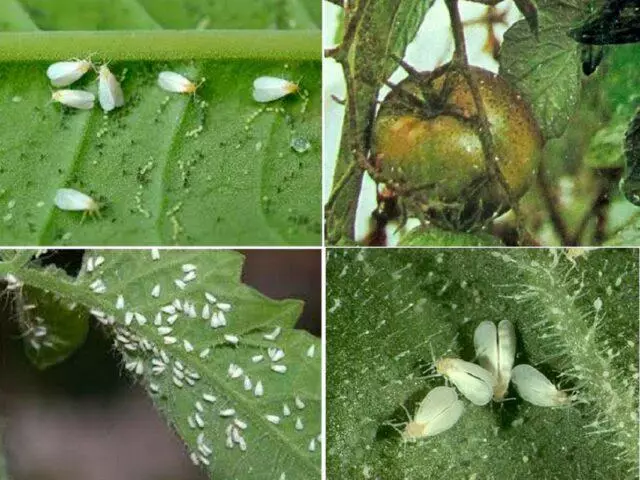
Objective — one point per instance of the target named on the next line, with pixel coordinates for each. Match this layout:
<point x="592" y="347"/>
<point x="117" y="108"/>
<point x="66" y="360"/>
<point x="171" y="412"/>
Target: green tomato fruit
<point x="426" y="138"/>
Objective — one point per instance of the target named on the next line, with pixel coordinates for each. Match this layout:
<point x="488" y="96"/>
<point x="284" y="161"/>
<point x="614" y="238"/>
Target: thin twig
<point x="340" y="184"/>
<point x="552" y="202"/>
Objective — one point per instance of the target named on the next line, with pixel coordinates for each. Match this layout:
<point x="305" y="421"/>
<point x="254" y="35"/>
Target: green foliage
<point x="630" y="185"/>
<point x="184" y="362"/>
<point x="546" y="69"/>
<point x="52" y="329"/>
<point x="436" y="237"/>
<point x="391" y="313"/>
<point x="213" y="168"/>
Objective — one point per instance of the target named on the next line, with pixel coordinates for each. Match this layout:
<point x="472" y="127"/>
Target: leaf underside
<point x="183" y="369"/>
<point x="390" y="314"/>
<point x="210" y="169"/>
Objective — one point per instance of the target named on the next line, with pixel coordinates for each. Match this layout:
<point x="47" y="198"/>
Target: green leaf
<point x="385" y="31"/>
<point x="392" y="313"/>
<point x="618" y="89"/>
<point x="605" y="148"/>
<point x="630" y="184"/>
<point x="52" y="330"/>
<point x="216" y="168"/>
<point x="185" y="372"/>
<point x="436" y="237"/>
<point x="545" y="71"/>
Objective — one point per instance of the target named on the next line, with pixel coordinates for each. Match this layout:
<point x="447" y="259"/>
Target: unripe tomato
<point x="418" y="144"/>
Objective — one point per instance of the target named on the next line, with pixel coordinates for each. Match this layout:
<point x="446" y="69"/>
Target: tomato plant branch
<point x="163" y="45"/>
<point x="483" y="127"/>
<point x="357" y="161"/>
<point x="551" y="202"/>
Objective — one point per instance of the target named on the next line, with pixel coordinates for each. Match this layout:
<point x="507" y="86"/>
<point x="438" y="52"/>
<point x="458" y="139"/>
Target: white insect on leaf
<point x="439" y="411"/>
<point x="496" y="352"/>
<point x="74" y="98"/>
<point x="62" y="74"/>
<point x="268" y="89"/>
<point x="473" y="381"/>
<point x="537" y="389"/>
<point x="109" y="90"/>
<point x="176" y="83"/>
<point x="75" y="201"/>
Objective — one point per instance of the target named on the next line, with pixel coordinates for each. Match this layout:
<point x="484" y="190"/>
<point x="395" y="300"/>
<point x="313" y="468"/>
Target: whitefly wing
<point x="268" y="89"/>
<point x="535" y="388"/>
<point x="439" y="411"/>
<point x="109" y="90"/>
<point x="473" y="381"/>
<point x="485" y="341"/>
<point x="62" y="74"/>
<point x="174" y="82"/>
<point x="73" y="200"/>
<point x="506" y="353"/>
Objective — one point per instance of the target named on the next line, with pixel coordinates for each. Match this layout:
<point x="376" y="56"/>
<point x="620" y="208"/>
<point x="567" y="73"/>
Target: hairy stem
<point x="160" y="45"/>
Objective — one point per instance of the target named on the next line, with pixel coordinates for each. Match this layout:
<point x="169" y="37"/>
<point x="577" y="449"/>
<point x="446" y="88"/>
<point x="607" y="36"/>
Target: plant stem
<point x="552" y="203"/>
<point x="483" y="127"/>
<point x="340" y="211"/>
<point x="161" y="45"/>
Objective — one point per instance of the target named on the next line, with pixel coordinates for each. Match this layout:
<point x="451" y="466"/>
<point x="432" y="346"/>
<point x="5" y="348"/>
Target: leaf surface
<point x="212" y="169"/>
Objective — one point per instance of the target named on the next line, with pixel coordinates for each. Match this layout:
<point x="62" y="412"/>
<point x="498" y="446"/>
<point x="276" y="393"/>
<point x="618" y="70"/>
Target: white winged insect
<point x="268" y="89"/>
<point x="439" y="411"/>
<point x="176" y="83"/>
<point x="473" y="381"/>
<point x="537" y="389"/>
<point x="109" y="90"/>
<point x="75" y="201"/>
<point x="62" y="74"/>
<point x="74" y="98"/>
<point x="496" y="352"/>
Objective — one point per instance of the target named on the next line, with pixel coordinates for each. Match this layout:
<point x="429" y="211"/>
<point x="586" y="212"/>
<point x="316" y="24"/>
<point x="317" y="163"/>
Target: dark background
<point x="84" y="420"/>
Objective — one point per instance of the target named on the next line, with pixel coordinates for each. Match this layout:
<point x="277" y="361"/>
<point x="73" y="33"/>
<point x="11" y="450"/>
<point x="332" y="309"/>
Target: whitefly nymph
<point x="537" y="389"/>
<point x="473" y="381"/>
<point x="496" y="352"/>
<point x="439" y="411"/>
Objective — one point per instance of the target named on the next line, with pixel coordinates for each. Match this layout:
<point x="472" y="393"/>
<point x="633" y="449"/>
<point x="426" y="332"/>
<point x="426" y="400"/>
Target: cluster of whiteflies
<point x="111" y="96"/>
<point x="482" y="382"/>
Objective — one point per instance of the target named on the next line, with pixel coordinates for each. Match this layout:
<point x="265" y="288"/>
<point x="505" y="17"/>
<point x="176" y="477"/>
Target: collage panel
<point x="154" y="364"/>
<point x="143" y="123"/>
<point x="453" y="123"/>
<point x="482" y="363"/>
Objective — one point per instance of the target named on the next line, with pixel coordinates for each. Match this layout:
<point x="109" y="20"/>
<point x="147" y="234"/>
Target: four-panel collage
<point x="319" y="239"/>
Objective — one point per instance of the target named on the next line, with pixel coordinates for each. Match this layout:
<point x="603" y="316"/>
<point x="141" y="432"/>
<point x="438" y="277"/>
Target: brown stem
<point x="460" y="62"/>
<point x="337" y="188"/>
<point x="354" y="144"/>
<point x="552" y="203"/>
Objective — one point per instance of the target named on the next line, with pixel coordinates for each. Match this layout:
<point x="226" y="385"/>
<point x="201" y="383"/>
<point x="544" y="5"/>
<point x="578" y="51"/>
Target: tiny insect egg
<point x="267" y="89"/>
